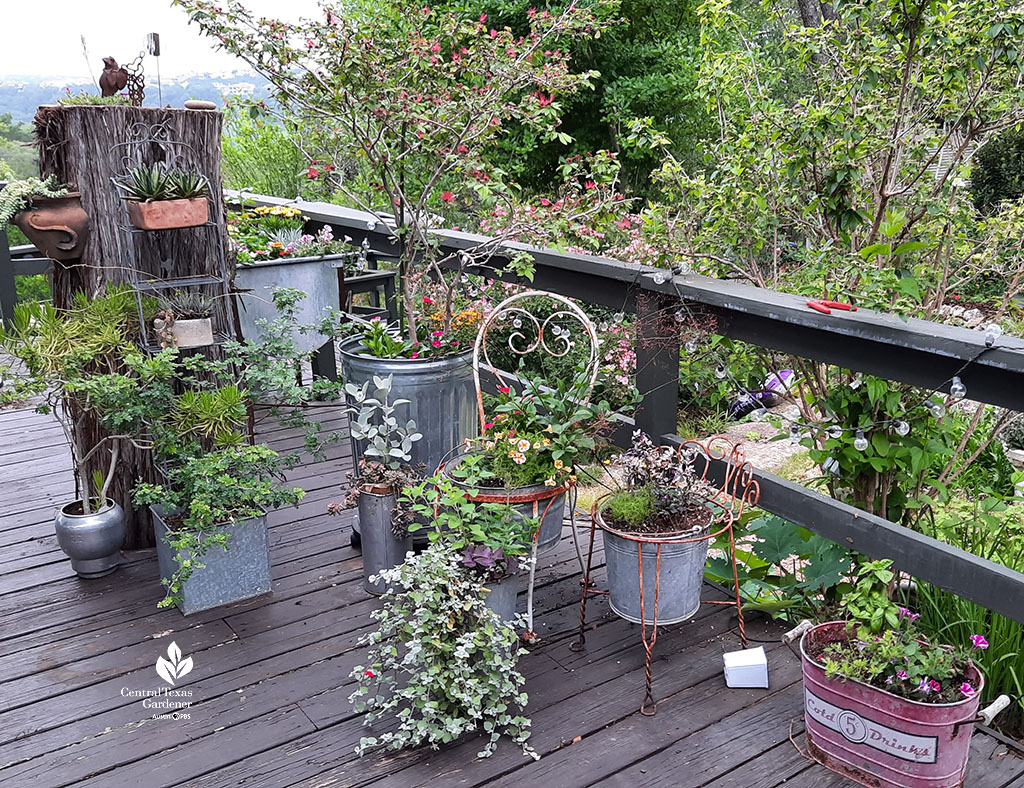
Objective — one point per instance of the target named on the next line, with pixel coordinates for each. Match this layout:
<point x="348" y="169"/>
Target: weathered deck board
<point x="271" y="677"/>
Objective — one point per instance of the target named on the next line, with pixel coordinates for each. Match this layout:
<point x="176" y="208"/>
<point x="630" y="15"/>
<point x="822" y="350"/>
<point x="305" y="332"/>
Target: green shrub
<point x="1013" y="432"/>
<point x="999" y="170"/>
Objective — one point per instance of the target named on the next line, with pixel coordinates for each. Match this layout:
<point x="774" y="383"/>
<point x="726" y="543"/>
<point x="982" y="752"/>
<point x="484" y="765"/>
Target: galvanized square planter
<point x="240" y="572"/>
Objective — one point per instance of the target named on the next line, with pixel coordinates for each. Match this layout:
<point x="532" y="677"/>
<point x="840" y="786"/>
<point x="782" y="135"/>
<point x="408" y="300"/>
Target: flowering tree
<point x="414" y="97"/>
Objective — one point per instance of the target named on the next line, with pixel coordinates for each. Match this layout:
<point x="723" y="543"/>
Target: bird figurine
<point x="114" y="77"/>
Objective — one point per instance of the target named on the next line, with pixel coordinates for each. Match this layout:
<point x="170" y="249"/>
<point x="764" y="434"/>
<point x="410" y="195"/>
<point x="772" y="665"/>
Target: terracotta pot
<point x="169" y="214"/>
<point x="58" y="226"/>
<point x="879" y="739"/>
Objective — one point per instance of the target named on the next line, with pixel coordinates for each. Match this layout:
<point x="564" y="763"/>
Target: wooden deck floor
<point x="270" y="682"/>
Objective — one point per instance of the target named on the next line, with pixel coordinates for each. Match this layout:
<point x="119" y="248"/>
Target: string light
<point x="957" y="389"/>
<point x="860" y="443"/>
<point x="835" y="431"/>
<point x="992" y="332"/>
<point x="938" y="409"/>
<point x="902" y="428"/>
<point x="794" y="432"/>
<point x="857" y="380"/>
<point x="721" y="371"/>
<point x="659" y="277"/>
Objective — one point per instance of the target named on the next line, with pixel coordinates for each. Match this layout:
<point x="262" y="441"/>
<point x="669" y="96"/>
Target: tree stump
<point x="77" y="144"/>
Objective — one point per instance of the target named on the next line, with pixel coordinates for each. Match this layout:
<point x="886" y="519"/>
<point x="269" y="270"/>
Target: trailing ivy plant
<point x="441" y="663"/>
<point x="17" y="195"/>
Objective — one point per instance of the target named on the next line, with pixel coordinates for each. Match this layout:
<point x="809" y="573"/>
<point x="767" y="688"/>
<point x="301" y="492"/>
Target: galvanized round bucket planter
<point x="381" y="550"/>
<point x="664" y="585"/>
<point x="442" y="399"/>
<point x="501" y="596"/>
<point x="534" y="501"/>
<point x="879" y="739"/>
<point x="92" y="541"/>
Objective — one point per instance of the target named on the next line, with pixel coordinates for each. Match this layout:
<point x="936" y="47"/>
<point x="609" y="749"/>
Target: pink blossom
<point x="901" y="675"/>
<point x="504" y="389"/>
<point x="428" y="300"/>
<point x="967" y="690"/>
<point x="312" y="172"/>
<point x="934" y="686"/>
<point x="447" y="196"/>
<point x="978" y="641"/>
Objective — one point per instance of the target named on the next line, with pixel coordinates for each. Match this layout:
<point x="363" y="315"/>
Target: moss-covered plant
<point x="17" y="195"/>
<point x="441" y="663"/>
<point x="662" y="492"/>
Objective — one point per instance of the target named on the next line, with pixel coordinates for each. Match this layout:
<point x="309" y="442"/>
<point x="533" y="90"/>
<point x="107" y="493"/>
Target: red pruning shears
<point x="823" y="306"/>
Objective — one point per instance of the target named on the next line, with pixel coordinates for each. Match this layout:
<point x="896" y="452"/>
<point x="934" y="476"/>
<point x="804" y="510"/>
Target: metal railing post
<point x="8" y="287"/>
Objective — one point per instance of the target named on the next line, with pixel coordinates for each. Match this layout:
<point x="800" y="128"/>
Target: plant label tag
<point x="747" y="668"/>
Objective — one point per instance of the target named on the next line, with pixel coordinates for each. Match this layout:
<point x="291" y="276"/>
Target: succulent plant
<point x="186" y="305"/>
<point x="154" y="183"/>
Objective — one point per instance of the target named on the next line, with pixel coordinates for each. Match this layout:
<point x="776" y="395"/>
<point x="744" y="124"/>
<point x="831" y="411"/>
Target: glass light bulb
<point x="602" y="327"/>
<point x="680" y="316"/>
<point x="691" y="346"/>
<point x="659" y="278"/>
<point x="957" y="389"/>
<point x="720" y="371"/>
<point x="992" y="332"/>
<point x="937" y="408"/>
<point x="860" y="443"/>
<point x="834" y="431"/>
<point x="619" y="317"/>
<point x="857" y="380"/>
<point x="902" y="428"/>
<point x="794" y="433"/>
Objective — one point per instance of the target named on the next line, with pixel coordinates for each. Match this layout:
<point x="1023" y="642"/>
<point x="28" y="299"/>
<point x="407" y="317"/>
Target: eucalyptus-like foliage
<point x="441" y="663"/>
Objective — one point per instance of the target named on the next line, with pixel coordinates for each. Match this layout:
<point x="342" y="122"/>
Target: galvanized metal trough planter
<point x="882" y="740"/>
<point x="240" y="572"/>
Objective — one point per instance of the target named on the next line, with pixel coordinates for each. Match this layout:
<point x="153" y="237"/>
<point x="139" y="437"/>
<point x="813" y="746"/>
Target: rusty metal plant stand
<point x="531" y="334"/>
<point x="737" y="491"/>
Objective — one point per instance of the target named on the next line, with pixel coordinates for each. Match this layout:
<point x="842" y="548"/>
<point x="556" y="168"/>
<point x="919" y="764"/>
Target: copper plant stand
<point x="737" y="491"/>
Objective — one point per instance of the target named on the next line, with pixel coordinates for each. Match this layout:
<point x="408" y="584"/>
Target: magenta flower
<point x="967" y="690"/>
<point x="935" y="686"/>
<point x="901" y="675"/>
<point x="978" y="641"/>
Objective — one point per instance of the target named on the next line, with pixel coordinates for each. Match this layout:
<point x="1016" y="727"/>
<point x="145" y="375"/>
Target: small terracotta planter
<point x="57" y="226"/>
<point x="169" y="214"/>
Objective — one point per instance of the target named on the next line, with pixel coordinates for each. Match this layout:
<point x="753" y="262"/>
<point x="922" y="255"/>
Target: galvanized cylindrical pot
<point x="879" y="739"/>
<point x="442" y="399"/>
<point x="238" y="572"/>
<point x="381" y="550"/>
<point x="536" y="501"/>
<point x="501" y="596"/>
<point x="91" y="541"/>
<point x="673" y="573"/>
<point x="315" y="276"/>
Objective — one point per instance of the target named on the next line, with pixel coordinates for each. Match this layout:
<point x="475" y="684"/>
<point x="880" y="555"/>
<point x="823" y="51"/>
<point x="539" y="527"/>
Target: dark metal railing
<point x="911" y="351"/>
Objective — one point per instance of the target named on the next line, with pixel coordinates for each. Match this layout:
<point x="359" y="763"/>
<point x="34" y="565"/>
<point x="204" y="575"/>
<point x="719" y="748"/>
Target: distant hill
<point x="20" y="95"/>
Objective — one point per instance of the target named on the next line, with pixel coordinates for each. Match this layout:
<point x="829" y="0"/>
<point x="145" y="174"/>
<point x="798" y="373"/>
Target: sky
<point x="43" y="37"/>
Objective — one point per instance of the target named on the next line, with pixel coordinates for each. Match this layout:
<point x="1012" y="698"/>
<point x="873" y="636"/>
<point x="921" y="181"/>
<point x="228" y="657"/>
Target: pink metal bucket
<point x="882" y="740"/>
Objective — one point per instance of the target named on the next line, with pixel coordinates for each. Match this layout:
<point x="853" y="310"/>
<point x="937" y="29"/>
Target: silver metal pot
<point x="501" y="597"/>
<point x="91" y="541"/>
<point x="679" y="584"/>
<point x="380" y="548"/>
<point x="315" y="276"/>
